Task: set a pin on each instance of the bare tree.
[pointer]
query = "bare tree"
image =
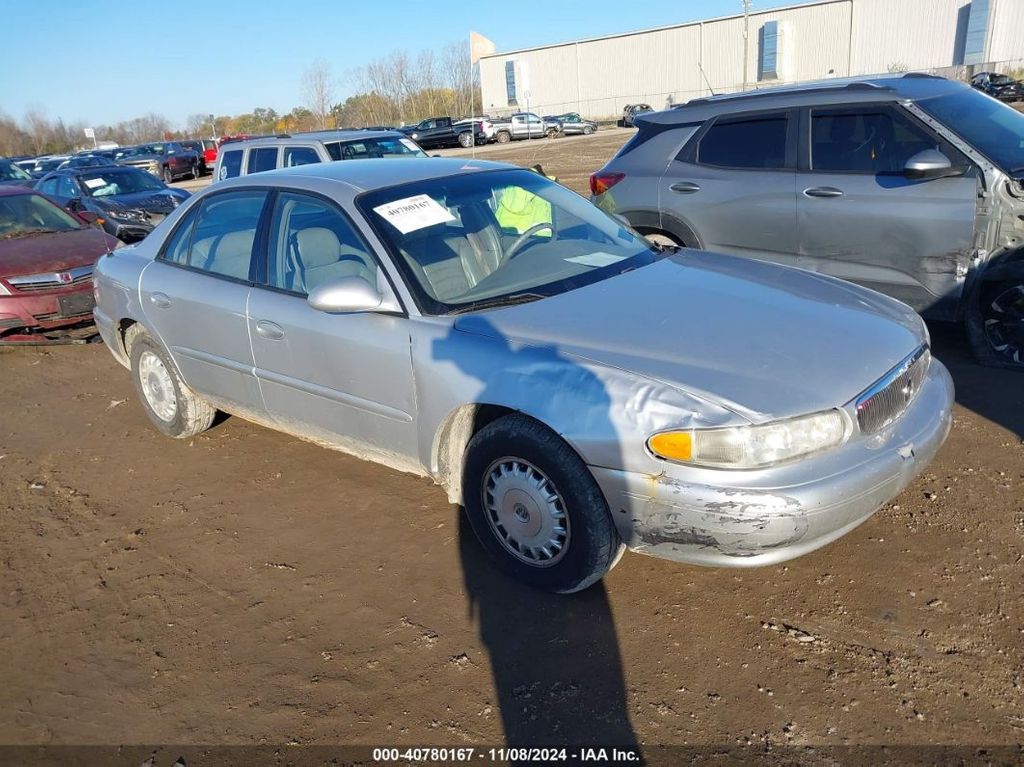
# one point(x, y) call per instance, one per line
point(318, 88)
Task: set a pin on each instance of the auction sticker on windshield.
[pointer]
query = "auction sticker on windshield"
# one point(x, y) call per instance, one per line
point(597, 259)
point(413, 213)
point(95, 183)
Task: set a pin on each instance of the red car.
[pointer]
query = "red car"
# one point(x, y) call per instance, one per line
point(46, 262)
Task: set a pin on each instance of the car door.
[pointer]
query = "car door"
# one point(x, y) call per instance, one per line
point(861, 219)
point(66, 190)
point(734, 185)
point(344, 378)
point(194, 296)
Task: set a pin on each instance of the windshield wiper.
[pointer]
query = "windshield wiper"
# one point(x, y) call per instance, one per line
point(27, 233)
point(490, 303)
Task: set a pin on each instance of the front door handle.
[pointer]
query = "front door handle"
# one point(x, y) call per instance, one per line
point(160, 300)
point(823, 191)
point(685, 187)
point(269, 330)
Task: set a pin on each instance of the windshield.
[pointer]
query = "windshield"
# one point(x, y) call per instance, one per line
point(107, 183)
point(1001, 80)
point(994, 129)
point(387, 147)
point(11, 172)
point(466, 240)
point(144, 149)
point(44, 166)
point(25, 214)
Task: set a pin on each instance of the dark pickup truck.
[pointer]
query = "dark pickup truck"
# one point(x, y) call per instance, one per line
point(437, 132)
point(167, 160)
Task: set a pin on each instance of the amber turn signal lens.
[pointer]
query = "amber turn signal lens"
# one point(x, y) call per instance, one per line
point(674, 445)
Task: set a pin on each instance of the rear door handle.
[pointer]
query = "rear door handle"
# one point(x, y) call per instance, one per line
point(685, 187)
point(160, 300)
point(269, 330)
point(823, 191)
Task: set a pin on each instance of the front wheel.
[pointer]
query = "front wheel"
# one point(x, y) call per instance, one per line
point(995, 323)
point(168, 176)
point(171, 405)
point(536, 508)
point(587, 130)
point(551, 133)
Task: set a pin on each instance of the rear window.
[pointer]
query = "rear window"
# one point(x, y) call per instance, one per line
point(755, 143)
point(264, 158)
point(231, 164)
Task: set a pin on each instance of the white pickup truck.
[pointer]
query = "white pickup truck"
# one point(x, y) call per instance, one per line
point(523, 125)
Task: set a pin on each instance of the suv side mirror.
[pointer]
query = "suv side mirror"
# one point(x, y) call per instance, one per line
point(929, 164)
point(87, 216)
point(345, 296)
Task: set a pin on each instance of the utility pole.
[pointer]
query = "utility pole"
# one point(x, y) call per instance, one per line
point(746, 35)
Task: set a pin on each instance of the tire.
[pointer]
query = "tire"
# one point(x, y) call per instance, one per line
point(587, 130)
point(660, 238)
point(195, 171)
point(503, 137)
point(168, 176)
point(551, 133)
point(157, 382)
point(466, 140)
point(513, 468)
point(995, 323)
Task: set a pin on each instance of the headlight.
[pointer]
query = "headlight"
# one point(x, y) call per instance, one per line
point(4, 291)
point(752, 447)
point(126, 215)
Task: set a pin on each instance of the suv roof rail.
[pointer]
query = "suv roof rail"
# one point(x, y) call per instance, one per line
point(818, 87)
point(283, 135)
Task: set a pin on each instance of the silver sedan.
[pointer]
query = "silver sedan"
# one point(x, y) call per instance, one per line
point(577, 390)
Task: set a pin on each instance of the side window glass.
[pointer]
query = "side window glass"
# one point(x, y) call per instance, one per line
point(755, 143)
point(261, 159)
point(299, 155)
point(871, 140)
point(231, 165)
point(66, 187)
point(312, 243)
point(225, 232)
point(176, 249)
point(48, 187)
point(333, 150)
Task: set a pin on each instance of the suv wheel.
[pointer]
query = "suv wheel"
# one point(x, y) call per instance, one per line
point(995, 323)
point(536, 508)
point(168, 176)
point(587, 130)
point(195, 171)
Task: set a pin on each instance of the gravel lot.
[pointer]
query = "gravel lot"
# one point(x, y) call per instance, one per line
point(248, 588)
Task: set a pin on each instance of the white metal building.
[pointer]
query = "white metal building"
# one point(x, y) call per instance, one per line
point(830, 38)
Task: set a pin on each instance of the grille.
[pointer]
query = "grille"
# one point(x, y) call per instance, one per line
point(51, 280)
point(891, 395)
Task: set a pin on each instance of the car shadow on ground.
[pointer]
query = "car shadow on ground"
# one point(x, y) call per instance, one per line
point(555, 659)
point(993, 393)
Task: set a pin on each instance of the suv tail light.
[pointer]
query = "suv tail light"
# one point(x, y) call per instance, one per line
point(602, 181)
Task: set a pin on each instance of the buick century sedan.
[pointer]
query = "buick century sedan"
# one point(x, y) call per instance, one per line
point(577, 390)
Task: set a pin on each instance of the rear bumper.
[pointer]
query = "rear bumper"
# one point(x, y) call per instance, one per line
point(46, 310)
point(773, 519)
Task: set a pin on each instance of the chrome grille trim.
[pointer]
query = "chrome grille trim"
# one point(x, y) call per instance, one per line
point(886, 400)
point(51, 280)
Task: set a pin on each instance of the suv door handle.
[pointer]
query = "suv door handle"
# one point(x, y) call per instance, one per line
point(160, 300)
point(269, 330)
point(823, 191)
point(685, 187)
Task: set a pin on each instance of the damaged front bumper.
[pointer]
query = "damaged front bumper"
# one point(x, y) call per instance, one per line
point(749, 519)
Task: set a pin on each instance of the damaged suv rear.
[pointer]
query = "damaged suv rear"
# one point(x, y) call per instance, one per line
point(912, 185)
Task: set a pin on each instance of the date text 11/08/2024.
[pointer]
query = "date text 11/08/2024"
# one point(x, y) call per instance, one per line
point(597, 754)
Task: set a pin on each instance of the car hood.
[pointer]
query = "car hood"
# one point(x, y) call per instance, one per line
point(762, 340)
point(163, 201)
point(55, 252)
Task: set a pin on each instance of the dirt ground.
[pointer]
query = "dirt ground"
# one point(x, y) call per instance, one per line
point(244, 587)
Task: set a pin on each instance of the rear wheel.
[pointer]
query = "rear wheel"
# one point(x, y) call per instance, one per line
point(536, 508)
point(168, 176)
point(503, 137)
point(466, 140)
point(195, 171)
point(171, 405)
point(995, 323)
point(551, 133)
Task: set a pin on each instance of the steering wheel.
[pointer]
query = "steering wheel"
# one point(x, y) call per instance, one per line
point(521, 239)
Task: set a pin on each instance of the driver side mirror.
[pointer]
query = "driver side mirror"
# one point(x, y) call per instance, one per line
point(345, 296)
point(929, 164)
point(87, 216)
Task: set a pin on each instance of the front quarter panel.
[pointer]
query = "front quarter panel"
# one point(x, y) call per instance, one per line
point(116, 284)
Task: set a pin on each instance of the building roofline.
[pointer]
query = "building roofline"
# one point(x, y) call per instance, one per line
point(630, 33)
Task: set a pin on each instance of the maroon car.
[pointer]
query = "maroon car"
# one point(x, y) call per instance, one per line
point(46, 261)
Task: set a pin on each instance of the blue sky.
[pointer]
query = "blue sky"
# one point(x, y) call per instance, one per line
point(102, 61)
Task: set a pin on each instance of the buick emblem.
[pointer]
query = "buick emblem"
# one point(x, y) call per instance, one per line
point(64, 277)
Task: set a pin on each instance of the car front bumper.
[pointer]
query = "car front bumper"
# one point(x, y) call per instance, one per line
point(46, 310)
point(771, 516)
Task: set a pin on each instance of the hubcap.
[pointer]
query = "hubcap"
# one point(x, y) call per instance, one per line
point(525, 512)
point(1004, 323)
point(157, 386)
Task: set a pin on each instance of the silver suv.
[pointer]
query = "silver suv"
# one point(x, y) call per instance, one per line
point(912, 185)
point(239, 158)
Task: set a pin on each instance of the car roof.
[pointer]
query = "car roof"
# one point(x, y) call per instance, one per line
point(363, 175)
point(327, 135)
point(904, 87)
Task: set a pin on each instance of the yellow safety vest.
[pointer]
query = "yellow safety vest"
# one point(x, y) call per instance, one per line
point(519, 209)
